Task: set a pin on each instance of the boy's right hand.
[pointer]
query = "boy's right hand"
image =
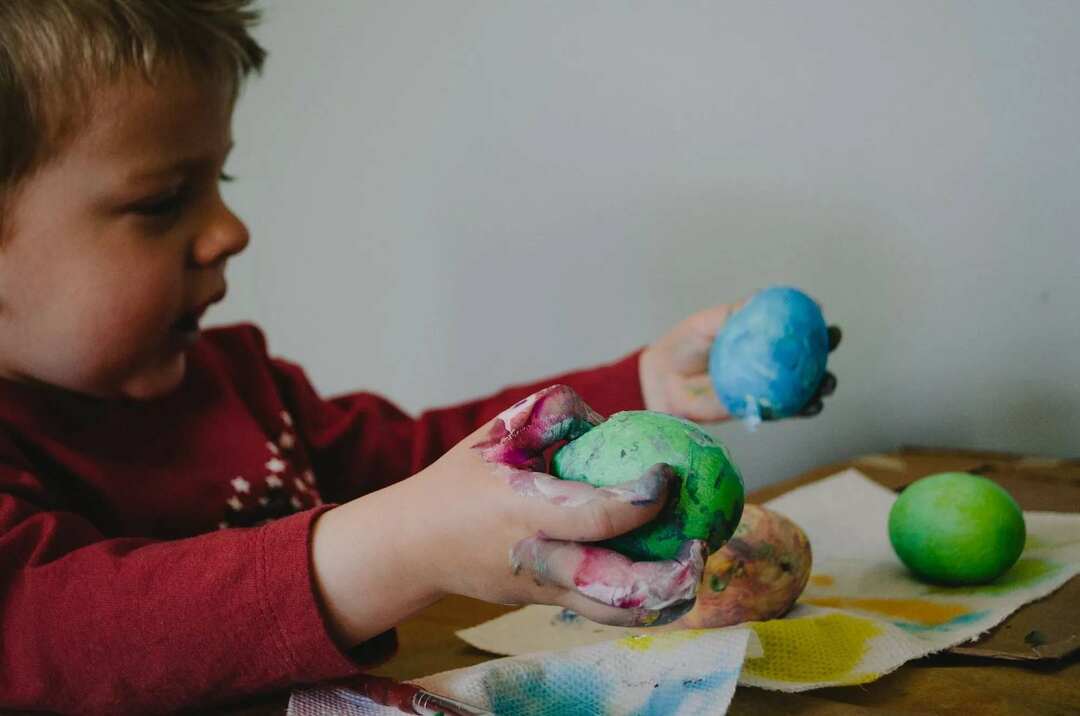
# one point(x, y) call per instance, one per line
point(484, 521)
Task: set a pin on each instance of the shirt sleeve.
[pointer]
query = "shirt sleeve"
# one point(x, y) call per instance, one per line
point(96, 625)
point(361, 442)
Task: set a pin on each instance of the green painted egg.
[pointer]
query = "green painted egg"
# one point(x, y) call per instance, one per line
point(623, 447)
point(956, 528)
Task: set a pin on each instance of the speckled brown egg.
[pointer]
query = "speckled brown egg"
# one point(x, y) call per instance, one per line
point(757, 575)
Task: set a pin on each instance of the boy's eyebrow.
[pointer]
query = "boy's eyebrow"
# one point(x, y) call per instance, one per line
point(184, 166)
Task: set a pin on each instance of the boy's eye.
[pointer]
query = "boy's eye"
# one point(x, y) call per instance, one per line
point(171, 202)
point(163, 205)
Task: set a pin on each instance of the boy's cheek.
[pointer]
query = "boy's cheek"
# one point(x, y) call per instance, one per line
point(104, 348)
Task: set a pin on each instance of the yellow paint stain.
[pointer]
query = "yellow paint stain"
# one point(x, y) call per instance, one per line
point(813, 649)
point(919, 611)
point(1023, 574)
point(667, 640)
point(1034, 542)
point(821, 580)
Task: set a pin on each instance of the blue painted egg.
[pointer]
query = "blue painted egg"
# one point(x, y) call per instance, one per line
point(769, 358)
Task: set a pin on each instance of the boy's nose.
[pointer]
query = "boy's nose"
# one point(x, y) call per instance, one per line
point(225, 236)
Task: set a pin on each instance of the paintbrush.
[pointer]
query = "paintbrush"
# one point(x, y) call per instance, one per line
point(409, 698)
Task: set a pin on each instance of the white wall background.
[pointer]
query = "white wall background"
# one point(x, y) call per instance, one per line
point(447, 197)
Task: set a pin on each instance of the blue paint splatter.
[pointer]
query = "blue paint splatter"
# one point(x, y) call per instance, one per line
point(961, 620)
point(533, 689)
point(668, 696)
point(566, 616)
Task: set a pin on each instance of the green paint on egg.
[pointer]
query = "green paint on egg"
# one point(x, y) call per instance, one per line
point(623, 447)
point(956, 528)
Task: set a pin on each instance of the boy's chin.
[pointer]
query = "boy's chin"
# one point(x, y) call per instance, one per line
point(156, 381)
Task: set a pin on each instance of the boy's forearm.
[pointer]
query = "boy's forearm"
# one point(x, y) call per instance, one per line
point(365, 566)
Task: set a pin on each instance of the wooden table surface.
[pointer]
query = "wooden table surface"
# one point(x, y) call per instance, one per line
point(945, 683)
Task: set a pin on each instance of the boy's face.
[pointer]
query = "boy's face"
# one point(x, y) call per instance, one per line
point(116, 246)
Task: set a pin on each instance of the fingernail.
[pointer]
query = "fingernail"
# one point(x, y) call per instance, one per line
point(647, 489)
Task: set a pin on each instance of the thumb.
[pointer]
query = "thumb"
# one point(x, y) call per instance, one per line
point(708, 323)
point(576, 511)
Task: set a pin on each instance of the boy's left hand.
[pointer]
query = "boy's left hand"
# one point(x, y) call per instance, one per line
point(674, 370)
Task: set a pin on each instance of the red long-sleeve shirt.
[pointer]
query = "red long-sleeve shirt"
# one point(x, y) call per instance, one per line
point(156, 555)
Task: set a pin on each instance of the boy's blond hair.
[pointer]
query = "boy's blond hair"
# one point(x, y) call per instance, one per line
point(53, 53)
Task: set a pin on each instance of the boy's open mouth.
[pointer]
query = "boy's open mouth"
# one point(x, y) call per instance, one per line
point(188, 323)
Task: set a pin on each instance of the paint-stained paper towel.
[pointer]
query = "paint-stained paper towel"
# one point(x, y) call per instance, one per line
point(862, 615)
point(662, 674)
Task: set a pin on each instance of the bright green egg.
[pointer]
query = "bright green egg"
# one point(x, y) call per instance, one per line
point(956, 528)
point(624, 446)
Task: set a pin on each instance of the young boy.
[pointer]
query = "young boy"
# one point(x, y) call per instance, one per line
point(182, 519)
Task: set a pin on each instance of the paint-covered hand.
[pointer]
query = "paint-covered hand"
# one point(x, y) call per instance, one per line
point(674, 370)
point(485, 521)
point(505, 531)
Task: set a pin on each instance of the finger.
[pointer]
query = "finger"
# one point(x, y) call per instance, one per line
point(609, 577)
point(612, 616)
point(519, 435)
point(578, 511)
point(828, 385)
point(696, 400)
point(834, 337)
point(693, 338)
point(815, 405)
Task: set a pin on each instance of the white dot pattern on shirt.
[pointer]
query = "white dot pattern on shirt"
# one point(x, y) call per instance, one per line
point(276, 484)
